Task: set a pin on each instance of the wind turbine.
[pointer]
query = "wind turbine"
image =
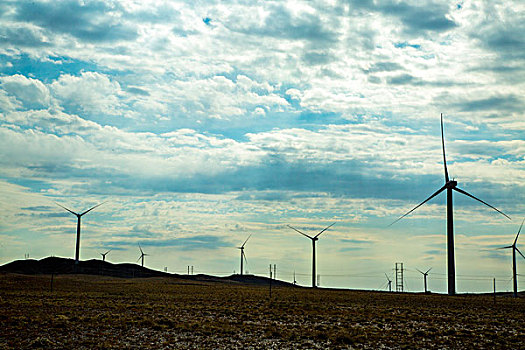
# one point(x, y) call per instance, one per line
point(142, 255)
point(514, 249)
point(425, 274)
point(104, 255)
point(449, 185)
point(243, 256)
point(389, 283)
point(314, 239)
point(77, 250)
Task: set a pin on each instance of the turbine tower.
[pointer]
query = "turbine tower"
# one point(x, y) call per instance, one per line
point(243, 256)
point(104, 255)
point(142, 255)
point(514, 250)
point(314, 239)
point(450, 185)
point(77, 250)
point(425, 274)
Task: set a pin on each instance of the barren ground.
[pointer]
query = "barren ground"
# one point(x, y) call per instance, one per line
point(87, 312)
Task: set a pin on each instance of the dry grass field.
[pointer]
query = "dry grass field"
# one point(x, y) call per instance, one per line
point(89, 312)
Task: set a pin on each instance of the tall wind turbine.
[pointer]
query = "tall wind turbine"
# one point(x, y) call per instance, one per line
point(514, 250)
point(77, 250)
point(425, 274)
point(314, 239)
point(104, 255)
point(142, 255)
point(243, 256)
point(449, 185)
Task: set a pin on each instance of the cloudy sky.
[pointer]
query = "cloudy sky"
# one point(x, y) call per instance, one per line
point(204, 122)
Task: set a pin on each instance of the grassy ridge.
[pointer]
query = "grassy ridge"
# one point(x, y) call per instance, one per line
point(103, 312)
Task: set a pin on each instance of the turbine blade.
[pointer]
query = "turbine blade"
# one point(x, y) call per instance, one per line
point(246, 241)
point(139, 258)
point(304, 234)
point(71, 211)
point(388, 279)
point(428, 271)
point(420, 271)
point(244, 255)
point(507, 247)
point(520, 253)
point(479, 200)
point(420, 204)
point(317, 235)
point(443, 144)
point(141, 252)
point(87, 211)
point(107, 251)
point(519, 231)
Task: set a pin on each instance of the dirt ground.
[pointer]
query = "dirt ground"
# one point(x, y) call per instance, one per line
point(89, 312)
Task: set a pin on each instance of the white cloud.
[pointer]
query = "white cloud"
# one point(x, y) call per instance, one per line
point(31, 92)
point(91, 92)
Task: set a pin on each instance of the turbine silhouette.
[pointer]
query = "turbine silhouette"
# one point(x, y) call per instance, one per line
point(104, 255)
point(77, 249)
point(142, 255)
point(514, 250)
point(425, 274)
point(389, 282)
point(243, 256)
point(314, 239)
point(450, 185)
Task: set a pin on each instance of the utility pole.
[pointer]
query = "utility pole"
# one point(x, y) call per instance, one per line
point(399, 277)
point(294, 281)
point(318, 280)
point(192, 269)
point(188, 269)
point(274, 271)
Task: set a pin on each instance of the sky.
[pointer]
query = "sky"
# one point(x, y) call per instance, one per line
point(203, 122)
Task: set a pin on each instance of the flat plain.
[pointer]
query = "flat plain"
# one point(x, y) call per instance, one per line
point(92, 312)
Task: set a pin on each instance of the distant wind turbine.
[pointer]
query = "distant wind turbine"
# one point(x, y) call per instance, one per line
point(243, 256)
point(389, 283)
point(142, 255)
point(425, 274)
point(314, 239)
point(77, 250)
point(104, 255)
point(514, 250)
point(449, 185)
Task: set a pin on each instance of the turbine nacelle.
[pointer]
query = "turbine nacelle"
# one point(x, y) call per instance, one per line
point(451, 184)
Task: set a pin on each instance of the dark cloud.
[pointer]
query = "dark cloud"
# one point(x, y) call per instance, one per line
point(417, 19)
point(22, 37)
point(502, 35)
point(183, 243)
point(137, 91)
point(282, 25)
point(350, 249)
point(433, 252)
point(402, 79)
point(44, 215)
point(91, 21)
point(356, 241)
point(317, 58)
point(39, 208)
point(508, 103)
point(383, 67)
